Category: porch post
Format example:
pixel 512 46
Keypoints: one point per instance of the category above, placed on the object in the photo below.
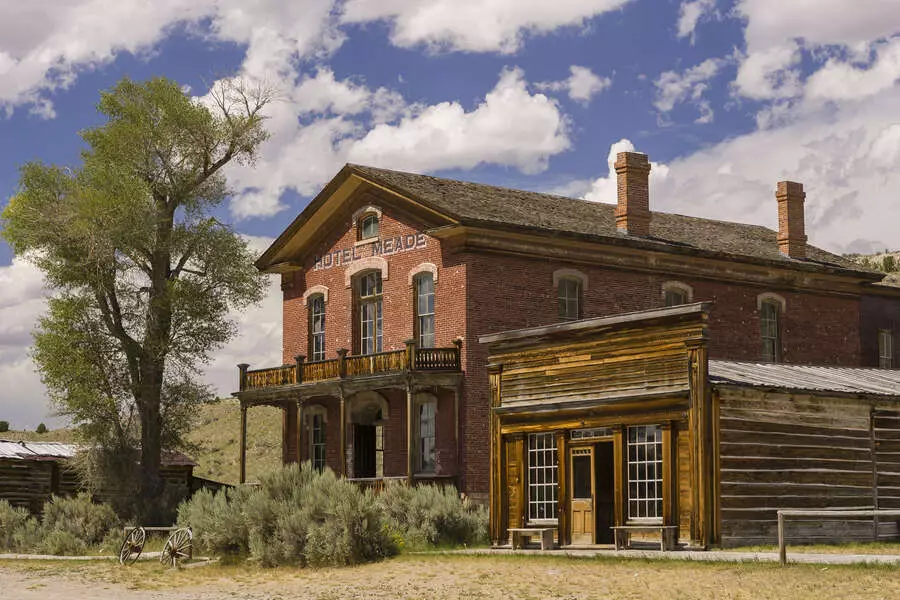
pixel 299 431
pixel 410 442
pixel 243 459
pixel 343 434
pixel 288 432
pixel 701 445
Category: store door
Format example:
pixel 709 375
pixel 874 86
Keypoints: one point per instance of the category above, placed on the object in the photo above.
pixel 582 499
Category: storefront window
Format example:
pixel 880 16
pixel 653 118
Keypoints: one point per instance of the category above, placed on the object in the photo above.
pixel 543 473
pixel 645 485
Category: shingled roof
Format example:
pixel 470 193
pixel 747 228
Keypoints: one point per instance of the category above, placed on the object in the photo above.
pixel 480 204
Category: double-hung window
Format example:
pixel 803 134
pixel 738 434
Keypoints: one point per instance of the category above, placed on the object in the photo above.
pixel 885 349
pixel 425 310
pixel 645 484
pixel 369 302
pixel 317 441
pixel 770 325
pixel 317 327
pixel 543 477
pixel 569 299
pixel 427 436
pixel 367 226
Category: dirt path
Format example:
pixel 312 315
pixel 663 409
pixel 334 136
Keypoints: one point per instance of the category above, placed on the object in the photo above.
pixel 454 577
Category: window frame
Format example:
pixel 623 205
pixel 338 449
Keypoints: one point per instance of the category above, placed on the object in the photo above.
pixel 683 290
pixel 423 433
pixel 318 461
pixel 367 216
pixel 542 485
pixel 564 300
pixel 376 321
pixel 770 330
pixel 313 336
pixel 885 349
pixel 421 318
pixel 638 487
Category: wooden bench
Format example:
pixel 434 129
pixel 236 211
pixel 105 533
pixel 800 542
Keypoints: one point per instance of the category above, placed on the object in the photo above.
pixel 520 536
pixel 622 534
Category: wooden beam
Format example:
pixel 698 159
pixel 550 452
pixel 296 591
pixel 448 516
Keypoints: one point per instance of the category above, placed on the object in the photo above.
pixel 243 455
pixel 343 434
pixel 299 432
pixel 410 442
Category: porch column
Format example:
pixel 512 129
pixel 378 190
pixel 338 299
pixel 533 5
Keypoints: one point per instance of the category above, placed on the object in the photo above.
pixel 702 447
pixel 289 431
pixel 243 459
pixel 410 442
pixel 343 434
pixel 299 431
pixel 497 487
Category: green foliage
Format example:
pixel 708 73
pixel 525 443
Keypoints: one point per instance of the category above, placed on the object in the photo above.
pixel 434 516
pixel 16 528
pixel 68 526
pixel 41 428
pixel 4 426
pixel 144 273
pixel 296 516
pixel 889 263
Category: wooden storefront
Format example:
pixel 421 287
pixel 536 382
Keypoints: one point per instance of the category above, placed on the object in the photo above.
pixel 625 421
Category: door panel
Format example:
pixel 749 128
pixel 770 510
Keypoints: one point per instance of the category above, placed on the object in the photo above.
pixel 582 502
pixel 604 484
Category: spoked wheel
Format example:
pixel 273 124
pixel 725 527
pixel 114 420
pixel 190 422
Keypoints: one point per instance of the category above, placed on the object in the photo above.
pixel 132 546
pixel 179 546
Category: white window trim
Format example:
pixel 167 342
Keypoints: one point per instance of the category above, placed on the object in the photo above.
pixel 570 274
pixel 370 263
pixel 771 297
pixel 425 267
pixel 677 286
pixel 312 291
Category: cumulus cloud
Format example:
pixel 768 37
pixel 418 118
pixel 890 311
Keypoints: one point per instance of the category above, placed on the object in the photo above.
pixel 843 80
pixel 673 88
pixel 581 85
pixel 511 127
pixel 690 13
pixel 473 25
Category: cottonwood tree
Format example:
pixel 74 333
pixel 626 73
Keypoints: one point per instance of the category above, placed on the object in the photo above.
pixel 144 275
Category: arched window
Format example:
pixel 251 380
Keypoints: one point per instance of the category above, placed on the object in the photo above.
pixel 569 292
pixel 424 286
pixel 316 309
pixel 676 293
pixel 770 325
pixel 367 226
pixel 368 309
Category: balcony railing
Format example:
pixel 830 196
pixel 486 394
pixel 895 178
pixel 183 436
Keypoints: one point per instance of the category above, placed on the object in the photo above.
pixel 377 484
pixel 382 363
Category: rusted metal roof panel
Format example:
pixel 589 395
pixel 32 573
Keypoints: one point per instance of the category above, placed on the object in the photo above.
pixel 847 380
pixel 21 450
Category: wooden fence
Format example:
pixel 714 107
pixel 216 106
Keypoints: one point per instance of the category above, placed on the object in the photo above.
pixel 825 515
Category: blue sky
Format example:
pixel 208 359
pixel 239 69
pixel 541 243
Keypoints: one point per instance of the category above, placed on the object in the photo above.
pixel 726 96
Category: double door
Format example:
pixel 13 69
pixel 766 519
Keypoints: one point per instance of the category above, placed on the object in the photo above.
pixel 592 498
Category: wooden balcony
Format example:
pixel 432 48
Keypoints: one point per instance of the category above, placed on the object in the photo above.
pixel 377 484
pixel 411 359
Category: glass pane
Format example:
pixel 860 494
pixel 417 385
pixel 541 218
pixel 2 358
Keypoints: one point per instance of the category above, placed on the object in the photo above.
pixel 581 476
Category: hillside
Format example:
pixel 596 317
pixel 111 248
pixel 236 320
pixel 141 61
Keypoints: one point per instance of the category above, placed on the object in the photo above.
pixel 216 436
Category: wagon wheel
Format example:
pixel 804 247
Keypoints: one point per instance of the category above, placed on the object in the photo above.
pixel 179 546
pixel 132 546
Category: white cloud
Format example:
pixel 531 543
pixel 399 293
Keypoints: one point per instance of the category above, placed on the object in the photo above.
pixel 690 14
pixel 770 74
pixel 673 88
pixel 510 127
pixel 603 189
pixel 474 25
pixel 581 85
pixel 842 80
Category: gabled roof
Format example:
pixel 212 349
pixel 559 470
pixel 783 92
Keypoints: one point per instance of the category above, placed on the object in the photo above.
pixel 21 450
pixel 814 378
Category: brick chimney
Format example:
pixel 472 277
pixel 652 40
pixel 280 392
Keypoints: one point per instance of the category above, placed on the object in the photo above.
pixel 791 227
pixel 633 179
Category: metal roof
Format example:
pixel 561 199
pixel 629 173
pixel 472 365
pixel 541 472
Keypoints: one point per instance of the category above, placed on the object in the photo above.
pixel 21 450
pixel 847 380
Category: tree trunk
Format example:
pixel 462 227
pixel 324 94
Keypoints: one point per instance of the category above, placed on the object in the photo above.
pixel 151 508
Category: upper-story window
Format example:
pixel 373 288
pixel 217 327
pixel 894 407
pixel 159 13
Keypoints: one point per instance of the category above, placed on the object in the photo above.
pixel 316 304
pixel 676 293
pixel 885 349
pixel 569 298
pixel 368 303
pixel 367 226
pixel 424 285
pixel 770 326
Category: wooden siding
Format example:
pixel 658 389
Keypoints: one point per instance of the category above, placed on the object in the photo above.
pixel 800 451
pixel 683 474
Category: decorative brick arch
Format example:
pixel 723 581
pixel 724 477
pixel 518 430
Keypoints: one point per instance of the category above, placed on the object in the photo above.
pixel 312 291
pixel 368 208
pixel 315 409
pixel 677 286
pixel 771 297
pixel 370 263
pixel 361 401
pixel 570 274
pixel 425 267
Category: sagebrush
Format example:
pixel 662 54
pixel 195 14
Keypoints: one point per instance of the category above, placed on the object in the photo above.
pixel 433 516
pixel 67 526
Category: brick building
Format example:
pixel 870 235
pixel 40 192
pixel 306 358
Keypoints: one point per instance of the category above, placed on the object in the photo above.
pixel 390 278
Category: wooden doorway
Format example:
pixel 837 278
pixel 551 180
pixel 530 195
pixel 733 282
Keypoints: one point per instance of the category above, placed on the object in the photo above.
pixel 605 494
pixel 364 463
pixel 581 462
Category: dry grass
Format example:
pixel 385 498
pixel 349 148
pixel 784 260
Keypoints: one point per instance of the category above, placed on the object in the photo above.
pixel 457 576
pixel 892 548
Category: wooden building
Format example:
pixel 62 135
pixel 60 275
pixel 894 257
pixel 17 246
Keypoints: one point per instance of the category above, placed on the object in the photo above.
pixel 625 421
pixel 31 472
pixel 389 279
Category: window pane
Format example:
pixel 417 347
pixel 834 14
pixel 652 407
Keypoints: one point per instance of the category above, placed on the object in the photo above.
pixel 675 298
pixel 368 227
pixel 645 472
pixel 542 476
pixel 425 309
pixel 317 441
pixel 569 299
pixel 427 436
pixel 770 331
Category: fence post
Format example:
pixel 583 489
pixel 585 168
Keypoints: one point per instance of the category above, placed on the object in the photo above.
pixel 782 549
pixel 298 364
pixel 411 354
pixel 458 342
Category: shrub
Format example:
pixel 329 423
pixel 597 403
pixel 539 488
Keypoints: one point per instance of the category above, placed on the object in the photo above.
pixel 4 426
pixel 41 428
pixel 434 515
pixel 18 529
pixel 889 263
pixel 73 524
pixel 217 520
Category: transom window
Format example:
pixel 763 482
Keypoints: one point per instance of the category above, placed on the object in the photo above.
pixel 569 299
pixel 645 485
pixel 368 226
pixel 369 302
pixel 427 436
pixel 885 349
pixel 316 327
pixel 543 477
pixel 770 325
pixel 317 441
pixel 425 310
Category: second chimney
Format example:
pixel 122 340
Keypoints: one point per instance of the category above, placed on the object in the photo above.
pixel 791 226
pixel 633 183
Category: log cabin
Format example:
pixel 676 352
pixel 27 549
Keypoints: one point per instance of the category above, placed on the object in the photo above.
pixel 623 424
pixel 389 279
